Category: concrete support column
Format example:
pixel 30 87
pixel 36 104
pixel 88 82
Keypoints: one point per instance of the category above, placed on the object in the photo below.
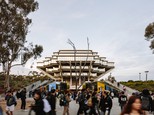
pixel 70 80
pixel 89 71
pixel 62 79
pixel 70 74
pixel 60 71
pixel 88 78
pixel 80 74
pixel 79 80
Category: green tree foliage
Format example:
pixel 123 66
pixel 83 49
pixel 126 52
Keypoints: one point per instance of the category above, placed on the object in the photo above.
pixel 16 82
pixel 140 85
pixel 14 24
pixel 149 34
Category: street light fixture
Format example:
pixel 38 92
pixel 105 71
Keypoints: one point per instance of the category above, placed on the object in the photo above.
pixel 146 72
pixel 139 76
pixel 72 44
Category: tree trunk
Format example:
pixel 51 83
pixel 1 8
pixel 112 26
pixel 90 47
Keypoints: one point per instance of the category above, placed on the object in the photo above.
pixel 8 79
pixel 4 70
pixel 7 76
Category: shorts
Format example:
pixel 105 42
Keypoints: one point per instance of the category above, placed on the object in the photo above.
pixel 10 108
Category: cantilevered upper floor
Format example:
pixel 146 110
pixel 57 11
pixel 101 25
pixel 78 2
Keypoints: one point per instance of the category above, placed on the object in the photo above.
pixel 66 64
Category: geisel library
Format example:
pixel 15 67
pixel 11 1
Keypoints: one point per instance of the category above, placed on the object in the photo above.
pixel 71 65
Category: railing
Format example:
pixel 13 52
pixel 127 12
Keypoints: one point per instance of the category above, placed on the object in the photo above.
pixel 129 90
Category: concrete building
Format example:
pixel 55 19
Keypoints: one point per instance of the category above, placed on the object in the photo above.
pixel 75 66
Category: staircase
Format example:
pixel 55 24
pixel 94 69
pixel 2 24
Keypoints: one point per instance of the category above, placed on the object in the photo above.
pixel 129 90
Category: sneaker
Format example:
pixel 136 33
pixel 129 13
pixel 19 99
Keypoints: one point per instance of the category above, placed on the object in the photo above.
pixel 25 110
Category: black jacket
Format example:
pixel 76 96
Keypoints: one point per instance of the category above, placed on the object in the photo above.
pixel 122 99
pixel 52 101
pixel 107 102
pixel 23 95
pixel 38 107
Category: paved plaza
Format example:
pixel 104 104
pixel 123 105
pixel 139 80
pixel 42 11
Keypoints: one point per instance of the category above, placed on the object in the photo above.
pixel 73 109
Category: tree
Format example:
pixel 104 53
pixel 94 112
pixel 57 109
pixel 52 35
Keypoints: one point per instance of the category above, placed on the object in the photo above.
pixel 149 34
pixel 14 25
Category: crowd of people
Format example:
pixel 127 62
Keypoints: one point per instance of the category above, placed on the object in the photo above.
pixel 90 102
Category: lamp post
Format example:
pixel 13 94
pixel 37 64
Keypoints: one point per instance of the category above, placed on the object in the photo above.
pixel 72 44
pixel 146 72
pixel 139 76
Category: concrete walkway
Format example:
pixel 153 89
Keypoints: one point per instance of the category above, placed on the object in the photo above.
pixel 73 109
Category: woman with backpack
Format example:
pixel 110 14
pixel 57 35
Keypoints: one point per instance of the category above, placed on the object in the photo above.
pixel 67 100
pixel 93 104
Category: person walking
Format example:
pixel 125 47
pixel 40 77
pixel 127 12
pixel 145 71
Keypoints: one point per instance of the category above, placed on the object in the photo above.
pixel 23 99
pixel 80 100
pixel 94 103
pixel 67 100
pixel 43 92
pixel 38 106
pixel 52 101
pixel 146 101
pixel 102 104
pixel 18 94
pixel 122 100
pixel 124 88
pixel 133 107
pixel 105 103
pixel 10 103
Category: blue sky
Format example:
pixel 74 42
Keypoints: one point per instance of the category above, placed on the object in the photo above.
pixel 115 29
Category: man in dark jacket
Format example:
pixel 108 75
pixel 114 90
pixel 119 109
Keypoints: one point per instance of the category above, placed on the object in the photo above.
pixel 80 100
pixel 23 99
pixel 52 101
pixel 106 103
pixel 39 104
pixel 122 100
pixel 146 101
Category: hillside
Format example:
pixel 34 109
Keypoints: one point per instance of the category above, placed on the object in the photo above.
pixel 18 82
pixel 140 85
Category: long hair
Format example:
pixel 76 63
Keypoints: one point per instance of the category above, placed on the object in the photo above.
pixel 128 107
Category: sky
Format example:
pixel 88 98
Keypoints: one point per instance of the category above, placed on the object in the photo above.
pixel 115 29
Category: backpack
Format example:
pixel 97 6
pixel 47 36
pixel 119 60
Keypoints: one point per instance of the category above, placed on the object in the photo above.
pixel 11 101
pixel 62 101
pixel 47 106
pixel 145 102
